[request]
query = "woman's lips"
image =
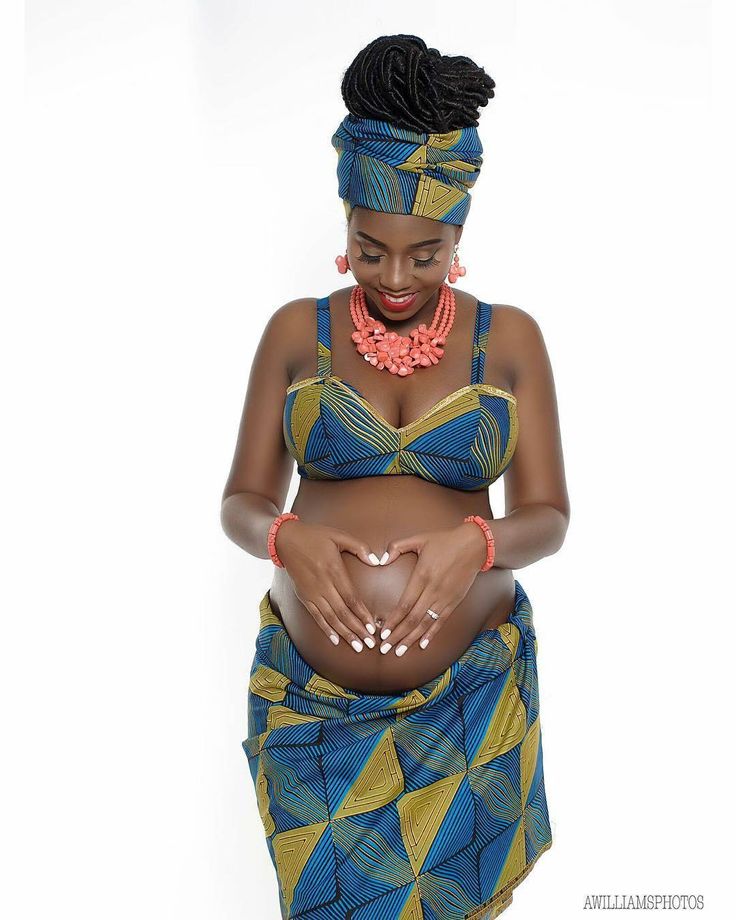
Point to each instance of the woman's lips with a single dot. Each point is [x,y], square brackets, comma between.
[398,307]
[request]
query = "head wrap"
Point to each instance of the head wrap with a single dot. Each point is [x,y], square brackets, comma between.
[387,168]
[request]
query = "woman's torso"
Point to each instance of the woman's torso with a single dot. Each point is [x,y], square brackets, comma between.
[380,508]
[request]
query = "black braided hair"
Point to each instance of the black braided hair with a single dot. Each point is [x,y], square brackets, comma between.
[397,78]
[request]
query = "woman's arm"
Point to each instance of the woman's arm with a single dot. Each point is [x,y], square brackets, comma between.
[537,503]
[261,469]
[258,484]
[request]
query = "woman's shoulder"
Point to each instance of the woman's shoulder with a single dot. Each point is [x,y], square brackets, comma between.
[299,316]
[292,324]
[299,311]
[512,317]
[513,326]
[514,340]
[290,332]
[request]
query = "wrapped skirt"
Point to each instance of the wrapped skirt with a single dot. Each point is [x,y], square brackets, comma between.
[427,805]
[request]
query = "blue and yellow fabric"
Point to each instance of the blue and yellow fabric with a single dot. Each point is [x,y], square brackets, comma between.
[384,167]
[465,441]
[428,805]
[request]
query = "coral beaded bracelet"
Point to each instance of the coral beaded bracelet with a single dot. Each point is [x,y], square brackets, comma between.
[470,519]
[491,544]
[273,530]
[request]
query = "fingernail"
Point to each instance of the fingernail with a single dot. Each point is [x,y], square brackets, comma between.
[374,559]
[386,633]
[371,628]
[400,650]
[369,642]
[334,639]
[384,557]
[385,647]
[357,645]
[424,643]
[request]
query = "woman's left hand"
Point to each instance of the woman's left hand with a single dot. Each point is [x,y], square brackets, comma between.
[447,564]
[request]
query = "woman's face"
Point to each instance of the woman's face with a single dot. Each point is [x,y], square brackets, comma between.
[384,256]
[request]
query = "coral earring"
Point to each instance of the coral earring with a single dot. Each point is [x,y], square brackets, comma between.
[342,264]
[456,270]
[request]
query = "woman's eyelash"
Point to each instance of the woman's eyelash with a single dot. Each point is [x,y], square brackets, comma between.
[420,263]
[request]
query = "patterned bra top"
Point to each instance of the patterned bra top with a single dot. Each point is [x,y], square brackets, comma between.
[465,441]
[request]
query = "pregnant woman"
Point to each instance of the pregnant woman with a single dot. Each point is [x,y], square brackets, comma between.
[393,709]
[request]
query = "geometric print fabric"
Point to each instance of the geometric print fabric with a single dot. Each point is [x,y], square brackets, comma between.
[464,441]
[385,167]
[428,805]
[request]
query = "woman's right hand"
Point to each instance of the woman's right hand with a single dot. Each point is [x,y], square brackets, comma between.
[311,555]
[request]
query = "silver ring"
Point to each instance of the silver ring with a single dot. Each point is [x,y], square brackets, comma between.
[431,613]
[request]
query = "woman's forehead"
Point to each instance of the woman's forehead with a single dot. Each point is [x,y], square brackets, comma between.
[398,229]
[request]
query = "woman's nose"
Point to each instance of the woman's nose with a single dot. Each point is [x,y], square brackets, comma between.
[395,280]
[395,275]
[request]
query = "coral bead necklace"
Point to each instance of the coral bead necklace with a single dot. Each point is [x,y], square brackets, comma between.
[400,354]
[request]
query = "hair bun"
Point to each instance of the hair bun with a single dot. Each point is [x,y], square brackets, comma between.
[397,78]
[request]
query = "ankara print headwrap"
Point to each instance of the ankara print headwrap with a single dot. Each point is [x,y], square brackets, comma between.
[387,168]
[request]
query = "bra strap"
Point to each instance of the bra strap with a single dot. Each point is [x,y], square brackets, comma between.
[324,344]
[480,341]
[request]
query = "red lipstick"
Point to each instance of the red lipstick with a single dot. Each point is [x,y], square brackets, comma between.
[394,307]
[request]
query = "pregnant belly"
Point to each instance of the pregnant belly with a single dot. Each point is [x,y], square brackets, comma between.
[367,509]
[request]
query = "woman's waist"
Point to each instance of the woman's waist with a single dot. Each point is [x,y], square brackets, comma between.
[384,508]
[381,587]
[377,510]
[488,603]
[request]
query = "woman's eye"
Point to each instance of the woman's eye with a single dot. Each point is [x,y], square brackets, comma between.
[420,263]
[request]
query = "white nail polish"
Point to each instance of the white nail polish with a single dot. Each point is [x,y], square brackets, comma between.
[400,650]
[371,628]
[386,633]
[334,639]
[374,559]
[369,642]
[384,557]
[385,647]
[357,645]
[424,643]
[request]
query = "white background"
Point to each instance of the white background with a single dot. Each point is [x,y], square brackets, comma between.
[175,185]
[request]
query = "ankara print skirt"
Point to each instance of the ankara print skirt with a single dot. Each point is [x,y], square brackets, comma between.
[429,805]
